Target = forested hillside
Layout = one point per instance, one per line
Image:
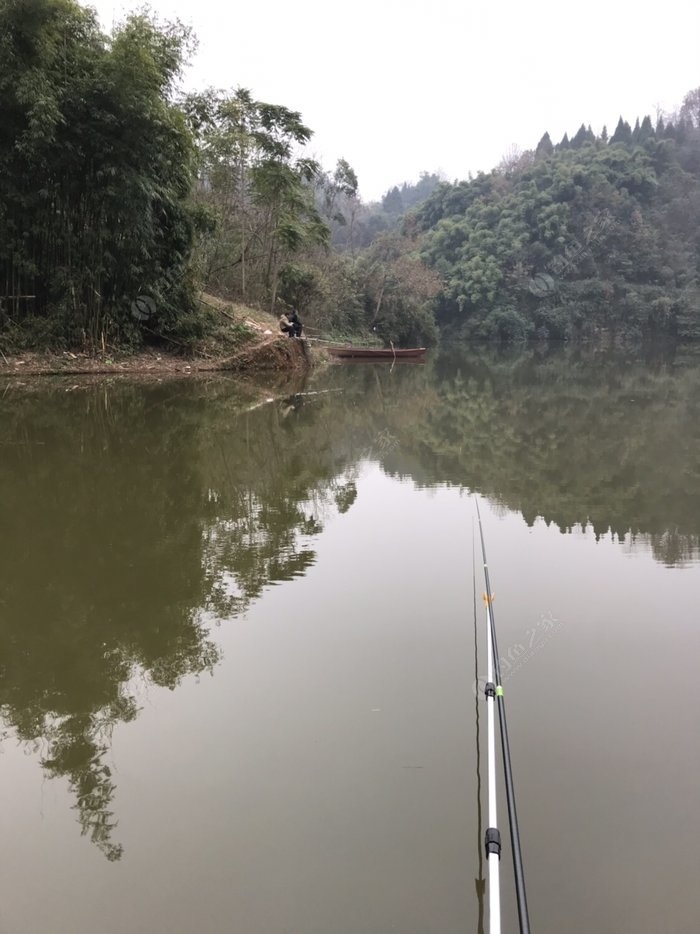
(592, 236)
(122, 197)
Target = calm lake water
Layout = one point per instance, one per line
(237, 648)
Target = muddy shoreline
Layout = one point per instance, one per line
(274, 355)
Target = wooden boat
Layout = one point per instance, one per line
(378, 353)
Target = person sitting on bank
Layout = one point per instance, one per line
(286, 326)
(295, 322)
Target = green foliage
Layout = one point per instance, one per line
(257, 191)
(96, 167)
(591, 239)
(298, 285)
(386, 292)
(116, 203)
(397, 290)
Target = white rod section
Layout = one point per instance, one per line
(493, 858)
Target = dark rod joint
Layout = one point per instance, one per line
(493, 841)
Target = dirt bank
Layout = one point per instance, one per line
(274, 353)
(246, 341)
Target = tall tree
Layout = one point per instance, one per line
(258, 187)
(623, 132)
(392, 202)
(690, 109)
(646, 130)
(337, 188)
(544, 147)
(346, 181)
(583, 135)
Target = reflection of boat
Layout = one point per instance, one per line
(378, 353)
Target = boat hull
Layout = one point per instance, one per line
(377, 353)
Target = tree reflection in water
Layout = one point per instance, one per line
(130, 513)
(134, 514)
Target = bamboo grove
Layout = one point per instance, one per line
(96, 168)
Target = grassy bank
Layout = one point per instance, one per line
(234, 337)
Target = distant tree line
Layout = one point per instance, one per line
(357, 223)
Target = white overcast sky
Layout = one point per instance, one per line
(401, 87)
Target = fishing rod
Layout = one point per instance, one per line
(494, 695)
(492, 839)
(480, 881)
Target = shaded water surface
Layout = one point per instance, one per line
(237, 652)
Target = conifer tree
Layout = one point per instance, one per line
(544, 147)
(392, 202)
(623, 132)
(580, 138)
(646, 131)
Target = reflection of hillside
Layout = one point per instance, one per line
(127, 511)
(618, 447)
(573, 437)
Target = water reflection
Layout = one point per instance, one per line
(130, 512)
(580, 438)
(133, 515)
